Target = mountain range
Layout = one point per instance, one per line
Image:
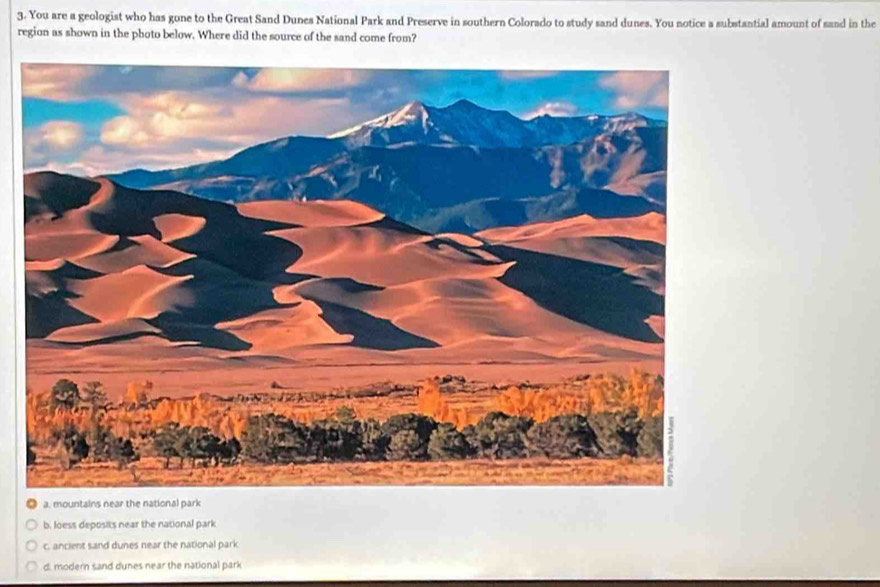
(460, 168)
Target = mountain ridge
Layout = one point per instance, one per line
(419, 163)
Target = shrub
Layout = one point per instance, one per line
(448, 443)
(31, 455)
(199, 444)
(650, 439)
(64, 394)
(122, 452)
(408, 436)
(345, 414)
(229, 451)
(336, 439)
(105, 446)
(562, 437)
(74, 446)
(499, 436)
(374, 443)
(270, 438)
(165, 442)
(617, 432)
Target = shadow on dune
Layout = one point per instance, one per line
(46, 314)
(597, 295)
(175, 328)
(370, 332)
(227, 238)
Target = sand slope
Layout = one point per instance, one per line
(121, 278)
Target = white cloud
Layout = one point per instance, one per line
(638, 89)
(50, 140)
(159, 120)
(61, 135)
(102, 159)
(552, 109)
(55, 82)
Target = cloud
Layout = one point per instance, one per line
(552, 109)
(638, 89)
(61, 134)
(66, 82)
(51, 140)
(301, 80)
(103, 159)
(515, 74)
(55, 82)
(155, 121)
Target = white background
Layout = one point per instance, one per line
(773, 375)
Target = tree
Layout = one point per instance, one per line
(562, 437)
(165, 442)
(199, 444)
(229, 451)
(94, 396)
(65, 394)
(74, 447)
(499, 436)
(617, 432)
(374, 443)
(407, 445)
(336, 439)
(650, 439)
(122, 452)
(270, 438)
(408, 436)
(447, 443)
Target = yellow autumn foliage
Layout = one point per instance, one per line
(431, 403)
(609, 392)
(540, 405)
(137, 392)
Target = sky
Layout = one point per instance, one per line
(90, 120)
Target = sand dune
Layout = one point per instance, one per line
(312, 214)
(174, 227)
(650, 226)
(117, 278)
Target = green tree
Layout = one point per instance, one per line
(74, 447)
(270, 438)
(122, 452)
(198, 444)
(229, 451)
(562, 437)
(447, 443)
(374, 442)
(499, 436)
(336, 439)
(408, 436)
(650, 439)
(617, 432)
(165, 442)
(94, 395)
(64, 394)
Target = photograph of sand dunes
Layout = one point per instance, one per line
(246, 276)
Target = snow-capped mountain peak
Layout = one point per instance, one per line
(466, 123)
